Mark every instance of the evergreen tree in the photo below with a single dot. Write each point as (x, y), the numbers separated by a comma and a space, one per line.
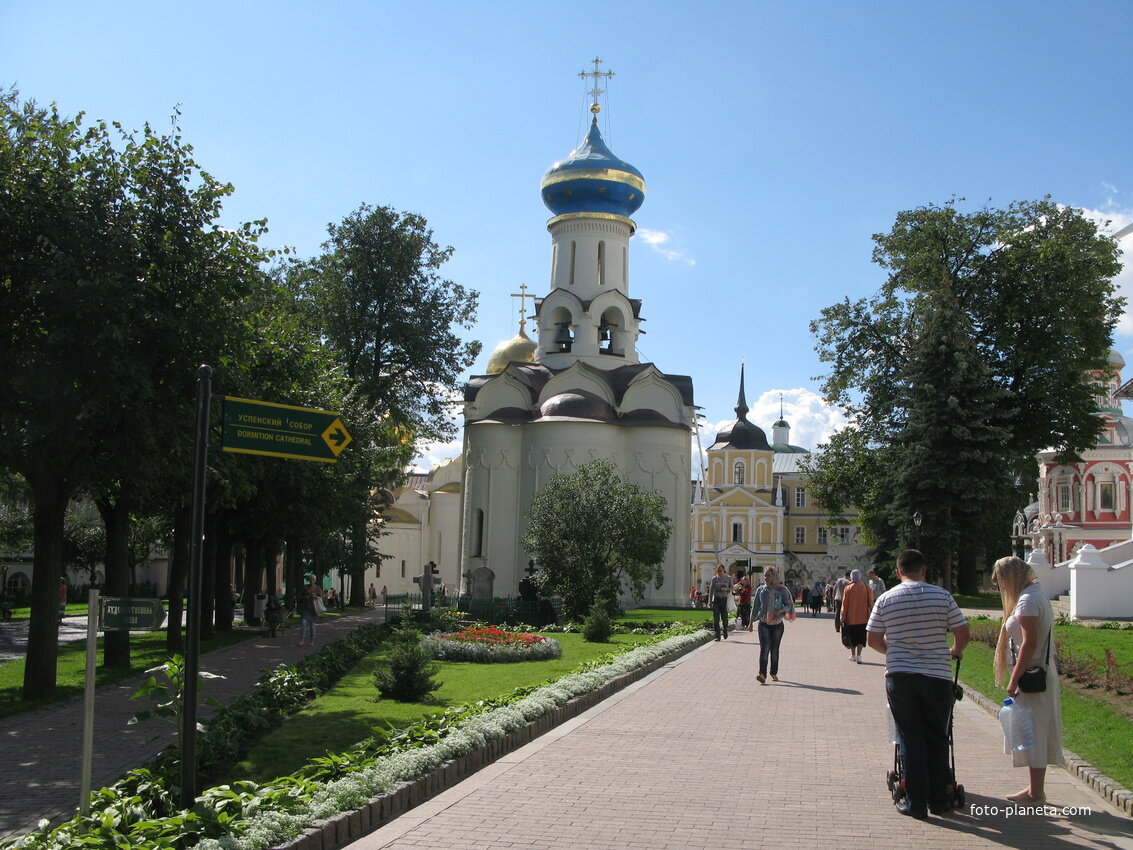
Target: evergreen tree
(949, 461)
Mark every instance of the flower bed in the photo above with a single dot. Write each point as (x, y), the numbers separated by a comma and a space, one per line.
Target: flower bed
(488, 644)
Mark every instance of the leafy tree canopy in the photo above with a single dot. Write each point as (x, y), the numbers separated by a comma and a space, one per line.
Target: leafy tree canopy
(975, 354)
(594, 534)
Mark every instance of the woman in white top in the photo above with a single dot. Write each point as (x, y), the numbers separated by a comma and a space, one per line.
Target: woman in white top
(1026, 639)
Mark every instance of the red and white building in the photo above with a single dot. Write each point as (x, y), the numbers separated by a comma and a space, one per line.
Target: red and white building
(1090, 501)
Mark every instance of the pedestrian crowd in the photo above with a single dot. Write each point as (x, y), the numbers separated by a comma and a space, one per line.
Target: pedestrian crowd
(921, 632)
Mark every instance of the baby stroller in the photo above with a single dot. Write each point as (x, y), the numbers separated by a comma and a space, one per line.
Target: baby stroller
(896, 781)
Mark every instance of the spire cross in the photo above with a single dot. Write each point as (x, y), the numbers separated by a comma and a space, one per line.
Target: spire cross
(522, 296)
(595, 92)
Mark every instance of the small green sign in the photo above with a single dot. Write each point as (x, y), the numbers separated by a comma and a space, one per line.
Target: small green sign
(125, 614)
(281, 430)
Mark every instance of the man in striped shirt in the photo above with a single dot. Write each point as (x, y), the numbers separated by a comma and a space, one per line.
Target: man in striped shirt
(909, 625)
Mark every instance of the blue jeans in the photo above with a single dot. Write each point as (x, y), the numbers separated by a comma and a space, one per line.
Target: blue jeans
(769, 638)
(720, 615)
(921, 708)
(304, 625)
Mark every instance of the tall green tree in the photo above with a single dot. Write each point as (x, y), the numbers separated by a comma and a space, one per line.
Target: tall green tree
(377, 297)
(1001, 281)
(114, 280)
(949, 463)
(594, 534)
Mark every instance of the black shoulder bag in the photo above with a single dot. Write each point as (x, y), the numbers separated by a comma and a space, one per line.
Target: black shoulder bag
(1033, 680)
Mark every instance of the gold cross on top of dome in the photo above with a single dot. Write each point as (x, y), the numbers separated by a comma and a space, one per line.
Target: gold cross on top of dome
(522, 296)
(597, 91)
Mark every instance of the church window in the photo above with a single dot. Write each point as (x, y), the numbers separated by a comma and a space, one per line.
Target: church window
(478, 535)
(1063, 498)
(1105, 496)
(800, 497)
(625, 266)
(737, 532)
(800, 534)
(601, 263)
(823, 535)
(573, 256)
(403, 569)
(738, 473)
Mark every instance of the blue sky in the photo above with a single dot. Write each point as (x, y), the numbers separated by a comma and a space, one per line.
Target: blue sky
(775, 138)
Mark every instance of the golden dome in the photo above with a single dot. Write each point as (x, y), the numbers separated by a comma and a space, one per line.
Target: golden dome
(520, 348)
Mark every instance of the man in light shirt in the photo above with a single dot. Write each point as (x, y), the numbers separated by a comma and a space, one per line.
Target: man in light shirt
(909, 625)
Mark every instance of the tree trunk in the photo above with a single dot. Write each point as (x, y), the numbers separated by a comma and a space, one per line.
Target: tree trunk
(293, 571)
(967, 581)
(208, 578)
(116, 518)
(49, 505)
(178, 575)
(253, 578)
(359, 541)
(222, 578)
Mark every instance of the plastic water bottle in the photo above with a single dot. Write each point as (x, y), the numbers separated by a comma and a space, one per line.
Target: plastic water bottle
(890, 725)
(1017, 728)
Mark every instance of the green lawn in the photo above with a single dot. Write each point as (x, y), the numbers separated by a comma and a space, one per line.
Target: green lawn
(666, 615)
(1093, 730)
(352, 711)
(981, 600)
(147, 649)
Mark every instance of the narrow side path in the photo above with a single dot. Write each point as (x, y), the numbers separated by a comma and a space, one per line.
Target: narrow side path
(42, 749)
(699, 755)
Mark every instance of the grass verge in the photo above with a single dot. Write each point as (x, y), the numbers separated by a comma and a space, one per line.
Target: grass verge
(1093, 730)
(147, 649)
(352, 711)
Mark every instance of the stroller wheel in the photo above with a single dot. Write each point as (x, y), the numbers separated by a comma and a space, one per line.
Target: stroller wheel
(960, 798)
(891, 779)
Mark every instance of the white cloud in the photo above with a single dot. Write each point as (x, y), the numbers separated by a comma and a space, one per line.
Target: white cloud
(1119, 220)
(658, 241)
(432, 455)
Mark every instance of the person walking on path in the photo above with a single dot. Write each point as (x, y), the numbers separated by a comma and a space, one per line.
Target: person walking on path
(1026, 639)
(909, 626)
(857, 602)
(839, 590)
(309, 602)
(875, 584)
(720, 591)
(743, 605)
(772, 605)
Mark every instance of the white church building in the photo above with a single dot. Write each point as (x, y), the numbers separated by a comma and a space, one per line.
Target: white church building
(577, 392)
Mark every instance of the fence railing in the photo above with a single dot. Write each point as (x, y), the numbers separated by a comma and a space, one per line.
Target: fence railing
(496, 609)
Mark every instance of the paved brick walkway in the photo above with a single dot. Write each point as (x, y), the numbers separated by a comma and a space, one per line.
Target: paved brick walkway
(699, 755)
(40, 751)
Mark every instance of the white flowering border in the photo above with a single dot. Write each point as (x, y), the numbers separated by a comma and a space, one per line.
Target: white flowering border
(479, 652)
(268, 828)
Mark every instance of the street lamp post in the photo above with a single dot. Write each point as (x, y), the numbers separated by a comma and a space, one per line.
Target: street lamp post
(918, 518)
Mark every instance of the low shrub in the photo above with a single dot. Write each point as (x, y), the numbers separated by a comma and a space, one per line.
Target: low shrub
(409, 674)
(597, 628)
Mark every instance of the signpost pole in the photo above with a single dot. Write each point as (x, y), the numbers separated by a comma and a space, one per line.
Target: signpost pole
(88, 701)
(193, 609)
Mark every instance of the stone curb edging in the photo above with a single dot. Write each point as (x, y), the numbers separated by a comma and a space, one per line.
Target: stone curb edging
(1108, 788)
(340, 830)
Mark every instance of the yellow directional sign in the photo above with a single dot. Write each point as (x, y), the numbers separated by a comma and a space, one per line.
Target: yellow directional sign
(282, 430)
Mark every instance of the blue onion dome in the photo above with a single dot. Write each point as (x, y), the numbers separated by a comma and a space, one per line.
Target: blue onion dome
(593, 180)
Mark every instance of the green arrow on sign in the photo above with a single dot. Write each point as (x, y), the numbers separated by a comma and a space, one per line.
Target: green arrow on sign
(282, 430)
